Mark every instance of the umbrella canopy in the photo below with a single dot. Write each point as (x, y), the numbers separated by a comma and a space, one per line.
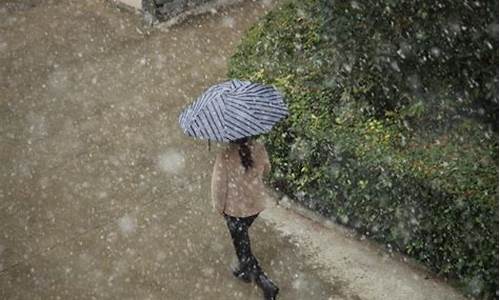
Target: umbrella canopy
(232, 110)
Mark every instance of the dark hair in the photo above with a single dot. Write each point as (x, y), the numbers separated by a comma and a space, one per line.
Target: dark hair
(245, 153)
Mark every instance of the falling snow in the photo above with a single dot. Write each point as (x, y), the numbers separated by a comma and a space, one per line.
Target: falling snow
(171, 162)
(102, 196)
(127, 224)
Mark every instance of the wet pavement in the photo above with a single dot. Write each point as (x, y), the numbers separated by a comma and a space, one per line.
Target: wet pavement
(102, 196)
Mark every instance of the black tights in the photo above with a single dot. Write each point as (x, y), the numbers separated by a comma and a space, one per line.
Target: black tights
(238, 227)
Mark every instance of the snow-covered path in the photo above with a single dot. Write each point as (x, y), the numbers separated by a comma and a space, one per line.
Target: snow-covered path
(102, 197)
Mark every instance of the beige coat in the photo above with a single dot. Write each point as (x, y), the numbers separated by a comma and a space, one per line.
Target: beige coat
(237, 192)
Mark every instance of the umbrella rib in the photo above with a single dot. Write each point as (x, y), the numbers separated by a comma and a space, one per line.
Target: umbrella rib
(271, 114)
(252, 128)
(271, 100)
(192, 132)
(203, 99)
(238, 129)
(268, 123)
(217, 117)
(184, 116)
(221, 109)
(208, 120)
(246, 118)
(231, 137)
(236, 101)
(233, 84)
(255, 88)
(248, 88)
(270, 106)
(201, 130)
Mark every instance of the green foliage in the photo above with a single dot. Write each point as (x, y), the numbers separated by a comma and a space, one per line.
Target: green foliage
(393, 106)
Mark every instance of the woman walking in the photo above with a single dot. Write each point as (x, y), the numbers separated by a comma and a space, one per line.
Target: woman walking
(232, 112)
(238, 193)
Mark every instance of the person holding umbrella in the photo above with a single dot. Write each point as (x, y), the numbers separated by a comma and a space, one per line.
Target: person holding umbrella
(235, 112)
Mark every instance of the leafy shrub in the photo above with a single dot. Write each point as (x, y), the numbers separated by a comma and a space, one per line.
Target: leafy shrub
(393, 110)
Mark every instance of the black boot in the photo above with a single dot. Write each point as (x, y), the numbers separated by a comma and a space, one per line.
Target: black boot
(268, 287)
(242, 274)
(248, 270)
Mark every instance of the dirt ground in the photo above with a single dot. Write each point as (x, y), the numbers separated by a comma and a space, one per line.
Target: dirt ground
(103, 197)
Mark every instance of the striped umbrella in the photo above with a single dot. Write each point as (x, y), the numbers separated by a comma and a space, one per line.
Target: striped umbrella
(232, 110)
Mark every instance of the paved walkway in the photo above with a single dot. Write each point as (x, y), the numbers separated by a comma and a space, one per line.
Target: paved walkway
(102, 197)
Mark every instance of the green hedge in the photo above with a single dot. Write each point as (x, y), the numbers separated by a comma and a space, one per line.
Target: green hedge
(393, 123)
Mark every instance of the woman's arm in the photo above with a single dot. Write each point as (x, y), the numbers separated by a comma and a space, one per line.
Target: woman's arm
(219, 184)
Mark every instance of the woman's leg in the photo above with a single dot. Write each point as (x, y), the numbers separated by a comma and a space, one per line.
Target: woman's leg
(249, 266)
(238, 227)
